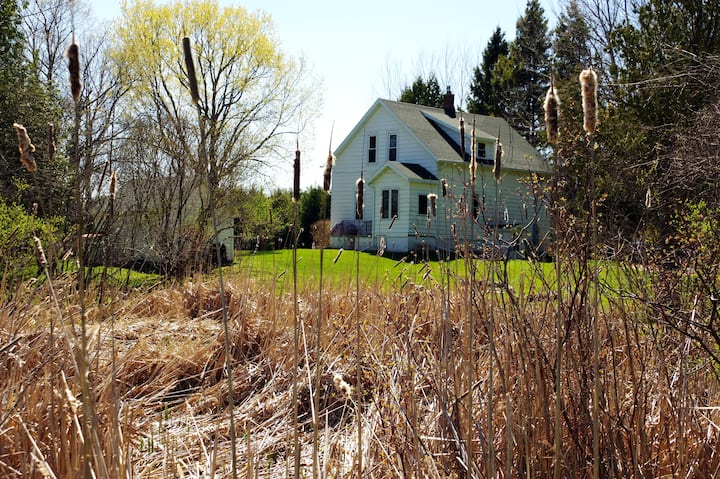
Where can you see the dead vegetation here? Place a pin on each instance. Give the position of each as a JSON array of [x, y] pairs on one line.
[[156, 366]]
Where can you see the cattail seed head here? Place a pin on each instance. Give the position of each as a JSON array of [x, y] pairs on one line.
[[648, 199], [113, 184], [342, 386], [392, 222], [432, 199], [473, 159], [382, 246], [327, 173], [73, 56], [51, 141], [42, 259], [497, 166], [190, 67], [27, 158], [462, 137], [296, 175], [588, 83], [552, 110], [359, 198], [444, 184], [337, 256]]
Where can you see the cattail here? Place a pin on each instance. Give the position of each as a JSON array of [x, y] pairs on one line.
[[190, 67], [506, 216], [392, 222], [337, 256], [27, 158], [588, 82], [443, 184], [432, 199], [359, 198], [552, 106], [342, 386], [42, 259], [296, 174], [462, 137], [51, 141], [327, 174], [113, 184], [473, 159], [648, 199], [382, 246], [417, 232], [497, 166], [73, 56]]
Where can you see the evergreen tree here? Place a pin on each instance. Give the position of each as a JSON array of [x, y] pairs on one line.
[[520, 80], [571, 44], [482, 99], [423, 92], [24, 99]]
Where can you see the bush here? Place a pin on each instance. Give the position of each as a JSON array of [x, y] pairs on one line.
[[17, 251]]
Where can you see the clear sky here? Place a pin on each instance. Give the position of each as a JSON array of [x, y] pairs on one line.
[[361, 51]]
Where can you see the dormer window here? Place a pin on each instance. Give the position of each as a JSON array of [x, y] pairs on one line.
[[392, 147], [372, 149], [481, 153]]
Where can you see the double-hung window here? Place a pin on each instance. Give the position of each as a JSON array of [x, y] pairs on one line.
[[372, 149], [389, 208], [392, 147]]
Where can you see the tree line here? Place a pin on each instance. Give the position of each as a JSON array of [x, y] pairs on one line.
[[148, 155], [656, 172]]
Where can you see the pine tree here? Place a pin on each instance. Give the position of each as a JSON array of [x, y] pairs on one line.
[[482, 98], [423, 92], [521, 79]]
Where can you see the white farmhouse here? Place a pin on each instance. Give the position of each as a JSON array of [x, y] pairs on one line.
[[403, 151]]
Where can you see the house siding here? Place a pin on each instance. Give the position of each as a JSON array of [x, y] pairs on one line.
[[381, 123], [516, 208]]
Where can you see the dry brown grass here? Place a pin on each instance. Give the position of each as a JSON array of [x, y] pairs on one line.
[[168, 396]]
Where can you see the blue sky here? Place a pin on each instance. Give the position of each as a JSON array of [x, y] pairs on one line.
[[369, 50]]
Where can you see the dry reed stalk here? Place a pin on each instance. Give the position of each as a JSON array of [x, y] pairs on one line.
[[552, 107], [296, 317], [210, 178], [588, 82], [27, 149]]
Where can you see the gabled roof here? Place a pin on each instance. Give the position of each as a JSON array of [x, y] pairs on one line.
[[410, 171], [441, 134]]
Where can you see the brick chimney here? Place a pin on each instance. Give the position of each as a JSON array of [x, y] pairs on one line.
[[449, 103]]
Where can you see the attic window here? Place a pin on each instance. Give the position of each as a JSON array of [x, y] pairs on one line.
[[481, 153], [392, 147], [372, 149]]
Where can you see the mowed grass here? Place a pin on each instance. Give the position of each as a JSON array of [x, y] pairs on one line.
[[385, 272]]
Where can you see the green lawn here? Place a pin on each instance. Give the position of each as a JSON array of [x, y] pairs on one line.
[[380, 271]]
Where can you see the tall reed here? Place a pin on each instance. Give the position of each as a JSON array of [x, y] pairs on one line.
[[588, 82], [552, 115], [211, 179]]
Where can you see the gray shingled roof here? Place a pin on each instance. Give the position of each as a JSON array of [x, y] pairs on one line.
[[426, 124]]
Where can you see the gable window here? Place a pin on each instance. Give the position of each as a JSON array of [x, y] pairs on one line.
[[389, 207], [392, 147], [372, 149], [422, 204]]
